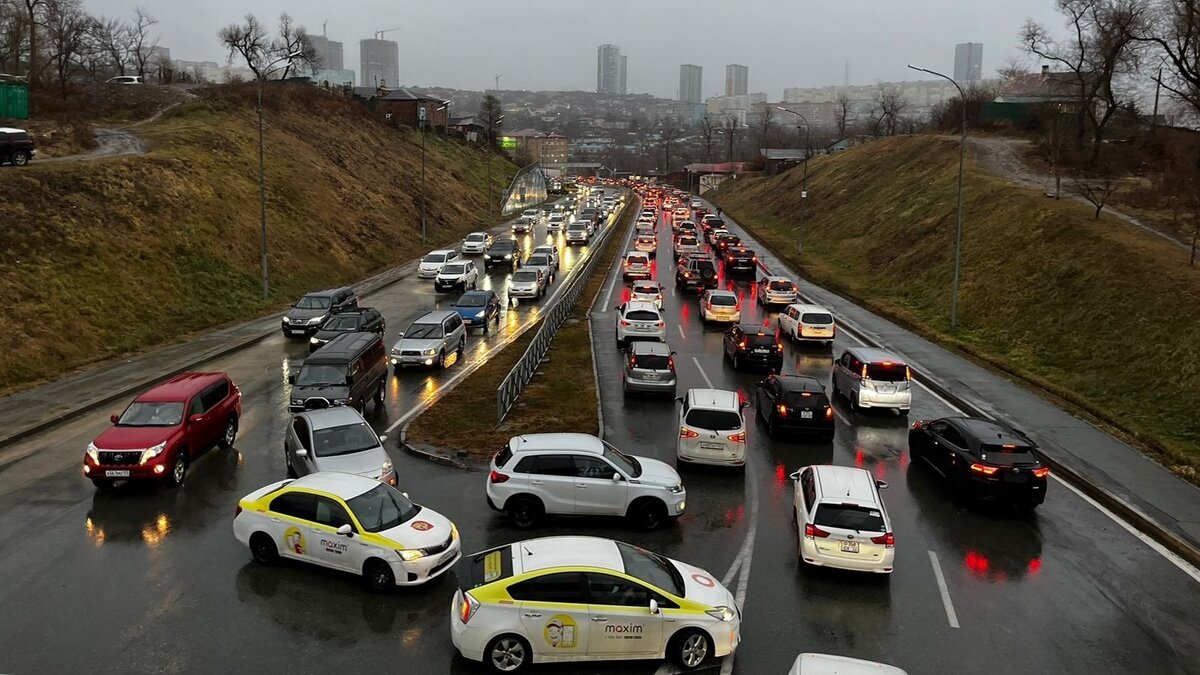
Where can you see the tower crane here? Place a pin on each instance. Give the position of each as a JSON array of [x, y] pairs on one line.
[[379, 33]]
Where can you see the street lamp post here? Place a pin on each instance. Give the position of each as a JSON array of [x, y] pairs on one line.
[[421, 120], [804, 187], [958, 230], [262, 176]]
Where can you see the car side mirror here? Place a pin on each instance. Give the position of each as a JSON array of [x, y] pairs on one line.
[[382, 439], [302, 452], [400, 334], [195, 419], [881, 484], [346, 530], [654, 606], [113, 418], [291, 378], [405, 494], [616, 477], [795, 475], [679, 399]]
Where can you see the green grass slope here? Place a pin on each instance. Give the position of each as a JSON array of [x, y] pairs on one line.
[[1096, 312], [108, 257]]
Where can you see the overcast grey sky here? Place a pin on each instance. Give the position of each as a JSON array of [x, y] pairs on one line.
[[551, 44]]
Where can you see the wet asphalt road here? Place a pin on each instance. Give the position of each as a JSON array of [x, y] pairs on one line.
[[144, 579]]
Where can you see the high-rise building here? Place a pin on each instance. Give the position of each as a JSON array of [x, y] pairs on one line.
[[737, 80], [609, 70], [968, 62], [622, 83], [328, 51], [691, 83], [380, 61]]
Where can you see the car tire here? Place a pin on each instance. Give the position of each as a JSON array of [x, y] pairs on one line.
[[689, 648], [442, 359], [523, 512], [649, 515], [380, 396], [19, 158], [958, 489], [378, 576], [178, 468], [263, 549], [230, 433], [462, 348], [903, 413], [507, 654]]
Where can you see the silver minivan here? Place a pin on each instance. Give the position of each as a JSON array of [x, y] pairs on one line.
[[650, 368], [873, 378]]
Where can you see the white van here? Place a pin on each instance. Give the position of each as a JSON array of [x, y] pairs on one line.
[[840, 519], [873, 378], [711, 428]]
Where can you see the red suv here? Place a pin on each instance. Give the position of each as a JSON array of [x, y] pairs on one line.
[[166, 427]]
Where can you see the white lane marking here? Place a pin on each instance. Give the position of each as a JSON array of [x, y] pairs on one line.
[[1164, 551], [842, 417], [941, 583], [681, 334], [702, 373], [742, 564]]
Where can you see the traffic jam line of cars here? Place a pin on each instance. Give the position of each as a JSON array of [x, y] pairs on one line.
[[567, 598]]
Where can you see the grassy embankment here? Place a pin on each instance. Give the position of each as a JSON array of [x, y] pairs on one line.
[[1097, 313], [109, 257], [562, 398]]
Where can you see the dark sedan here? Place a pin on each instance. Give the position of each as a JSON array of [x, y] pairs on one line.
[[795, 403], [740, 261], [981, 459]]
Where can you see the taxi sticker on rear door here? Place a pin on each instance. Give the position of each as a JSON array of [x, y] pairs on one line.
[[492, 567], [560, 632]]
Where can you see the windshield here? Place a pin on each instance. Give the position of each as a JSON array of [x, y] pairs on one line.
[[781, 286], [423, 331], [525, 276], [722, 300], [454, 268], [652, 362], [816, 317], [538, 261], [803, 399], [382, 508], [622, 461], [638, 260], [642, 289], [155, 414], [1008, 455], [434, 257], [849, 517], [471, 300], [714, 420], [887, 372], [641, 315], [321, 374], [341, 323], [313, 302], [687, 241], [758, 340], [476, 237], [344, 440], [651, 568]]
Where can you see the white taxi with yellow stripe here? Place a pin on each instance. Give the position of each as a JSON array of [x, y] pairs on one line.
[[588, 599], [350, 523]]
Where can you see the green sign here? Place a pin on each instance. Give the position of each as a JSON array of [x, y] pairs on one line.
[[508, 143]]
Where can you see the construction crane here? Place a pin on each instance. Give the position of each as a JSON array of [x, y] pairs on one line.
[[379, 33]]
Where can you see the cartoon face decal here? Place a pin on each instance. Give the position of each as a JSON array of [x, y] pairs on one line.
[[293, 539], [560, 632]]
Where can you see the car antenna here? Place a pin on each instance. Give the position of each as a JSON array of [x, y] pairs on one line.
[[526, 549]]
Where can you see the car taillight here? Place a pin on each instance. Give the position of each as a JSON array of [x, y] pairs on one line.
[[742, 344], [661, 324], [828, 413], [671, 363], [685, 432], [467, 608], [918, 425], [497, 477], [1042, 472], [812, 531], [888, 540], [984, 469], [739, 437], [624, 323], [782, 409]]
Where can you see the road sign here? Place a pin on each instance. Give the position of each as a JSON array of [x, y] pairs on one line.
[[421, 113]]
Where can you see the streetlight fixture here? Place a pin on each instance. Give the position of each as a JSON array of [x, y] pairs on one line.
[[262, 174], [804, 188], [958, 230], [421, 122]]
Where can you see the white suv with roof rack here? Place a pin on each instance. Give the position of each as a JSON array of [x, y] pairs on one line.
[[579, 474]]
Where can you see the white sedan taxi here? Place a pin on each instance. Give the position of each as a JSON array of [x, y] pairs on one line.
[[350, 523], [588, 599]]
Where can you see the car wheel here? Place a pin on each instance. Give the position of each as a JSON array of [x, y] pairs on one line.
[[689, 649], [20, 158], [442, 360], [462, 347], [231, 428], [507, 654], [523, 512], [903, 413], [178, 468], [102, 483], [380, 396], [958, 489], [379, 576], [263, 549], [649, 515]]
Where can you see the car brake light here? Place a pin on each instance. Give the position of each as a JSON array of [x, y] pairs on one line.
[[984, 469], [918, 425], [661, 324], [467, 607], [742, 344], [671, 363], [684, 432], [828, 413], [739, 437], [864, 371], [888, 540], [497, 477], [782, 409], [624, 323], [1041, 472], [812, 531]]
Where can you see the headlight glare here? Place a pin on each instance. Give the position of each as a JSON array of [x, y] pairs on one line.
[[150, 453], [93, 452], [723, 613], [409, 555]]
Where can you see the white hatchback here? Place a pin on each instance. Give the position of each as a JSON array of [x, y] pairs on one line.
[[639, 321], [722, 306], [841, 520], [711, 428], [432, 263]]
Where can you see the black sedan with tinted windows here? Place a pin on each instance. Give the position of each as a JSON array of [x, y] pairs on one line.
[[981, 459], [794, 403]]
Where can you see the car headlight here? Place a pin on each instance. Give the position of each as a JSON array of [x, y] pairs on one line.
[[453, 531], [429, 352], [409, 555], [93, 452], [297, 401], [487, 256], [314, 341], [723, 613], [286, 320], [479, 314], [150, 453], [508, 257], [316, 319], [387, 465], [395, 351], [675, 489], [339, 401]]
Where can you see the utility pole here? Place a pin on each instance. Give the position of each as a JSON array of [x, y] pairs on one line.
[[262, 177], [804, 187]]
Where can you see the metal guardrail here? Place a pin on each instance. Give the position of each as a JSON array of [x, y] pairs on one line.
[[510, 389]]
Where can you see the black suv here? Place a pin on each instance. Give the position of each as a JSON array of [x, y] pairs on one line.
[[503, 253], [794, 403], [361, 320], [981, 459], [309, 312], [695, 274], [751, 345], [16, 146], [740, 260]]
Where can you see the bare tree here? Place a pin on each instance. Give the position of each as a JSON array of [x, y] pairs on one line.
[[112, 36], [13, 28], [1013, 69], [841, 114], [668, 133], [1096, 187], [490, 112], [142, 44], [765, 122], [1052, 142], [729, 128], [67, 27], [33, 11], [708, 131], [293, 39], [889, 106], [248, 40]]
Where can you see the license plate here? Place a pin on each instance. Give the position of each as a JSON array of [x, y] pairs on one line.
[[849, 547], [651, 376], [760, 351], [712, 446], [116, 474], [446, 556], [887, 390], [806, 414]]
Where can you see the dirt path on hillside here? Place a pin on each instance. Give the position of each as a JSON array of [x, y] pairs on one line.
[[116, 141], [1002, 157]]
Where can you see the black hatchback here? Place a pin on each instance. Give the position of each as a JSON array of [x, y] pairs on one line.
[[981, 459], [794, 403], [750, 345], [740, 261]]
